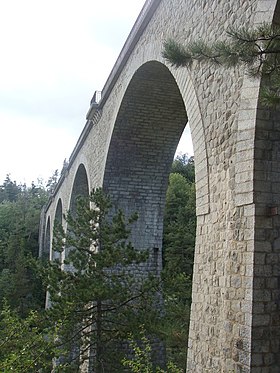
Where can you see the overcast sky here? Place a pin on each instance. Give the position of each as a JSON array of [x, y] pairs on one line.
[[54, 55]]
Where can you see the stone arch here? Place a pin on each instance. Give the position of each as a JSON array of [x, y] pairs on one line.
[[235, 313], [80, 187], [58, 212], [148, 127], [196, 123], [57, 220], [47, 240]]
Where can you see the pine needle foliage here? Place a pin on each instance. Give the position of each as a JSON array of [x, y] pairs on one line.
[[258, 49], [95, 295]]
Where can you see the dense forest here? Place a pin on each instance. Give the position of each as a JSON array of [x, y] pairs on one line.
[[33, 338]]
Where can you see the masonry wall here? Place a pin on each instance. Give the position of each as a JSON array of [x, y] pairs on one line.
[[128, 149]]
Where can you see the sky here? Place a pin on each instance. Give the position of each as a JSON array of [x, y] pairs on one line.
[[54, 55]]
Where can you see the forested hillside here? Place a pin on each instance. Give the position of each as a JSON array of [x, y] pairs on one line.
[[22, 291], [178, 250], [20, 208]]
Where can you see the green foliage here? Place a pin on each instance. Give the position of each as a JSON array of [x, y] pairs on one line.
[[23, 343], [178, 251], [9, 191], [52, 182], [95, 293], [96, 299], [142, 361], [179, 223], [180, 217], [184, 166], [258, 49], [19, 229], [176, 54]]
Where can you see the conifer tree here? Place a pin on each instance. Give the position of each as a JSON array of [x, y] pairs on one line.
[[258, 49], [102, 295], [19, 227]]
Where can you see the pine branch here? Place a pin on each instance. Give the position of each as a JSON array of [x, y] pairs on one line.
[[176, 54], [257, 49]]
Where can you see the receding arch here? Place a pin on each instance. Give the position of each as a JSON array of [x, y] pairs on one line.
[[57, 221], [80, 187], [58, 212], [148, 127], [47, 241]]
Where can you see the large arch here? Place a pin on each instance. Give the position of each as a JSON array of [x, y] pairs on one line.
[[148, 127], [149, 124], [236, 173]]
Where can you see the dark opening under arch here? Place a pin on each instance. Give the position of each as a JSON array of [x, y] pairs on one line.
[[57, 221], [47, 243], [149, 124], [80, 189]]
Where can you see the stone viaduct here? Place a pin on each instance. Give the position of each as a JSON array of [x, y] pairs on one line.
[[127, 147]]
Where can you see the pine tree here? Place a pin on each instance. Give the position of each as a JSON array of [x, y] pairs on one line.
[[103, 295], [9, 190], [19, 230], [258, 49]]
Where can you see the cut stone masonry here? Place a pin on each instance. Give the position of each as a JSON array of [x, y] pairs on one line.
[[127, 147]]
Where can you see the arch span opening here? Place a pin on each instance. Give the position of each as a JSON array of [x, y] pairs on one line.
[[149, 125], [80, 189], [47, 241], [57, 221], [148, 128]]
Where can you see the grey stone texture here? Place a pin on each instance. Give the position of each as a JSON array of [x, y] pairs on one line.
[[128, 144]]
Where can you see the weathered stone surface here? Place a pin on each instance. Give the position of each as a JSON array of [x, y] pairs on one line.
[[127, 147]]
